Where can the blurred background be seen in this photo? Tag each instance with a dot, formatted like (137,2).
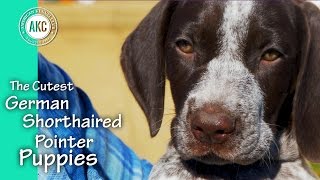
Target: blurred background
(87,46)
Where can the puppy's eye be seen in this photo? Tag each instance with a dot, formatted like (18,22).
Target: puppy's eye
(184,46)
(271,55)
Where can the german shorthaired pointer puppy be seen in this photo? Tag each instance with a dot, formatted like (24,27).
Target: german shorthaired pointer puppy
(245,80)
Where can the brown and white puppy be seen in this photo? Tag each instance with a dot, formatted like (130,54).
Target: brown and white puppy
(245,80)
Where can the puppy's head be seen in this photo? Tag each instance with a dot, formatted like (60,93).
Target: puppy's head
(240,72)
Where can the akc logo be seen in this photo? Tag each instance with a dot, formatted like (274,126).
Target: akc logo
(38,26)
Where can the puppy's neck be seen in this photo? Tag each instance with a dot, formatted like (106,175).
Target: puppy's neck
(284,147)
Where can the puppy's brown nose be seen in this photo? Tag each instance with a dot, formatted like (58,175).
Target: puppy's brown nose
(211,126)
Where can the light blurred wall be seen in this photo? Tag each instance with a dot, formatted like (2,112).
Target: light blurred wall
(87,46)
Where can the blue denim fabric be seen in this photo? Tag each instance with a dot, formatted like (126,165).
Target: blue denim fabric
(115,159)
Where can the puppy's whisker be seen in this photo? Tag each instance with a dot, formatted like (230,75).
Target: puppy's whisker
(270,124)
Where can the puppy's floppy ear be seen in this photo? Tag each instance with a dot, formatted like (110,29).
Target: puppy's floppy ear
(142,62)
(306,108)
